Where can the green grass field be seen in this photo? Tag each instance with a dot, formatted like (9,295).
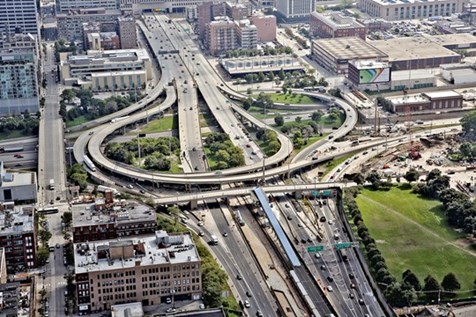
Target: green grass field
(77,121)
(212,163)
(412,233)
(290,98)
(160,125)
(13,134)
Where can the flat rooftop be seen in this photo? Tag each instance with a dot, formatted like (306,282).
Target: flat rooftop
(411,48)
(442,94)
(256,64)
(349,48)
(127,310)
(13,179)
(337,20)
(16,221)
(416,98)
(125,212)
(460,39)
(161,248)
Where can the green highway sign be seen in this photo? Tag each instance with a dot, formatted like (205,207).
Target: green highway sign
(315,249)
(343,245)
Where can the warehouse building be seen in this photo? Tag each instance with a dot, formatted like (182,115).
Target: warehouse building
(335,54)
(152,270)
(415,53)
(438,101)
(334,24)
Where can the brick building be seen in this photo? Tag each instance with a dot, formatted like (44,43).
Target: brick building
(335,24)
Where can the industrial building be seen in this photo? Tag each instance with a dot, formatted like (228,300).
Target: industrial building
(335,54)
(458,74)
(107,70)
(18,236)
(438,101)
(461,41)
(369,74)
(415,53)
(335,24)
(410,9)
(17,186)
(151,269)
(260,64)
(106,219)
(412,79)
(18,80)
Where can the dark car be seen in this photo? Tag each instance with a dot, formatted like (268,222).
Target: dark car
(361,301)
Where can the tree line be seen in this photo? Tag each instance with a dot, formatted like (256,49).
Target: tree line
(27,124)
(408,290)
(91,107)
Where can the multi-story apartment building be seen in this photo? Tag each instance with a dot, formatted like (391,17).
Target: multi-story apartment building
(295,9)
(221,36)
(126,28)
(19,16)
(18,40)
(70,25)
(18,80)
(150,269)
(237,11)
(94,222)
(108,70)
(247,34)
(206,11)
(335,24)
(64,6)
(265,27)
(411,9)
(18,237)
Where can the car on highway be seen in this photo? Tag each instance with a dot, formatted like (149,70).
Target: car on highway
(201,233)
(259,313)
(361,301)
(248,293)
(323,219)
(330,279)
(247,304)
(57,246)
(351,296)
(238,277)
(323,267)
(351,276)
(317,255)
(225,234)
(329,288)
(18,156)
(130,186)
(200,223)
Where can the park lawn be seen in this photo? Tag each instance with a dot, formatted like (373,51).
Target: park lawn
(412,233)
(167,123)
(310,141)
(77,121)
(290,98)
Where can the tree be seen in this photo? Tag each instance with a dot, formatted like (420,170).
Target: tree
(67,218)
(279,120)
(450,282)
(249,91)
(42,255)
(44,236)
(410,278)
(317,115)
(468,123)
(298,119)
(374,179)
(432,287)
(412,175)
(247,103)
(336,92)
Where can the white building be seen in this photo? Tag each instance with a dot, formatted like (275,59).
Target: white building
(295,9)
(17,186)
(108,70)
(67,5)
(247,34)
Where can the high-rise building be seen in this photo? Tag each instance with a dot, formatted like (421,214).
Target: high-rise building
(221,36)
(126,27)
(295,9)
(247,34)
(265,27)
(18,81)
(19,16)
(237,11)
(150,269)
(334,24)
(68,5)
(206,11)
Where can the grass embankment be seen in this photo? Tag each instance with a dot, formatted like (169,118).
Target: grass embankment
(166,123)
(77,121)
(335,162)
(290,98)
(412,233)
(324,120)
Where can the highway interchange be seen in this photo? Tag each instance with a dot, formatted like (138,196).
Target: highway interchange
(186,73)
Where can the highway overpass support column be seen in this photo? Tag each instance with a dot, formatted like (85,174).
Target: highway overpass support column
(297,194)
(193,204)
